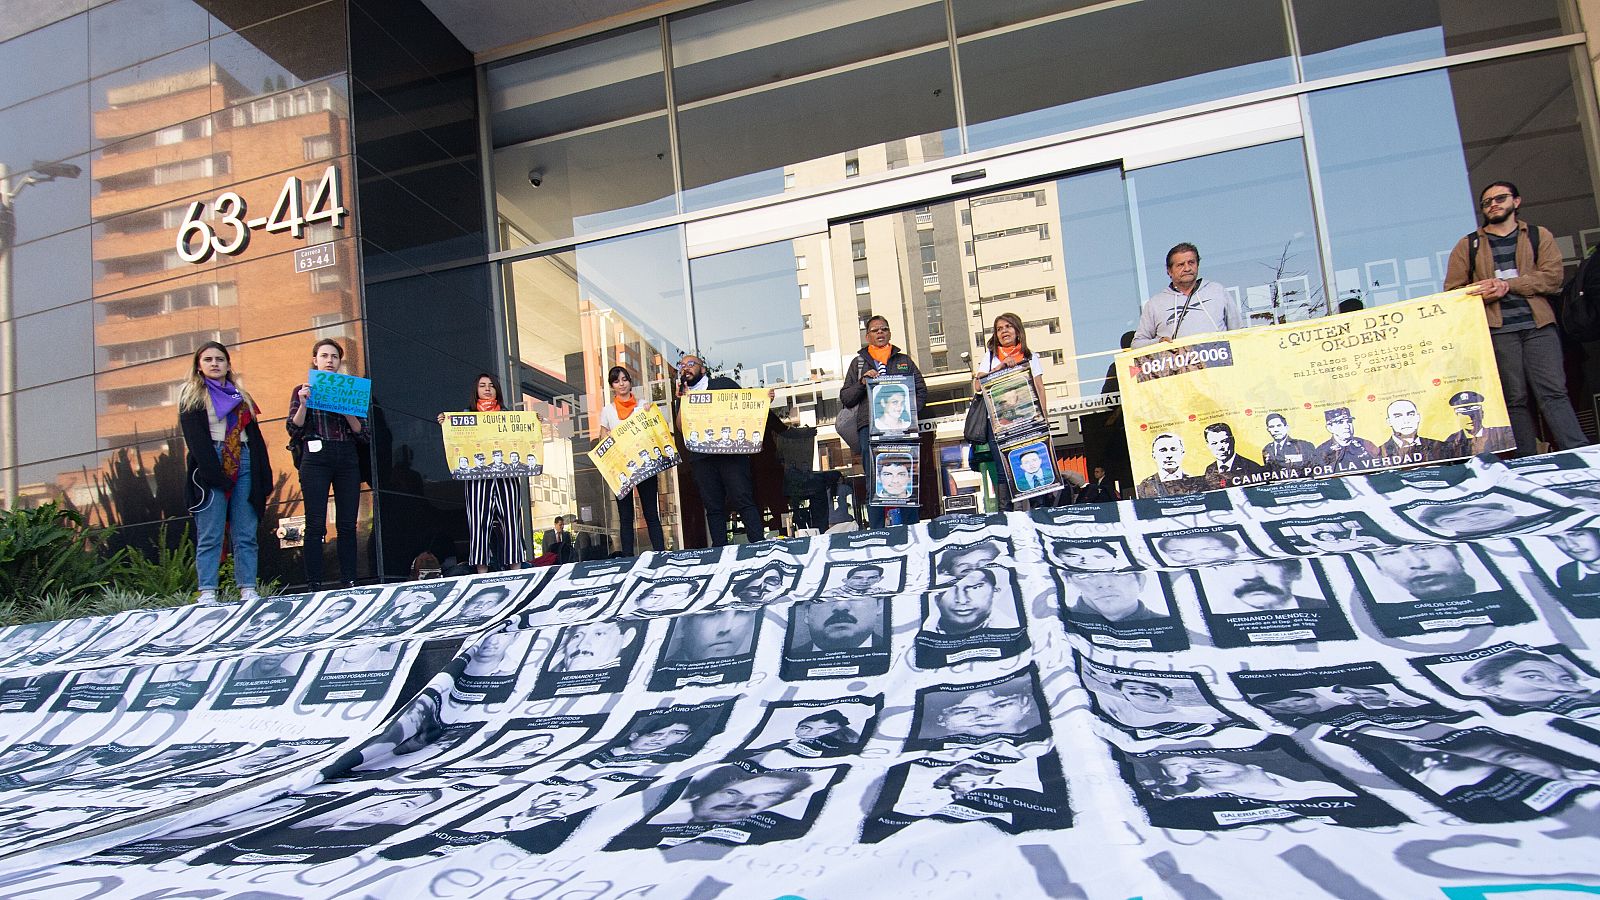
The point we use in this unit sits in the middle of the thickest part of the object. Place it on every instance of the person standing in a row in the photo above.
(1188, 306)
(624, 404)
(723, 478)
(879, 358)
(1007, 349)
(229, 475)
(330, 447)
(493, 502)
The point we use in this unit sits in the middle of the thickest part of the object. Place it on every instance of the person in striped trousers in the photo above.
(493, 503)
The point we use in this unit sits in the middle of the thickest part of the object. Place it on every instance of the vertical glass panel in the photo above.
(1040, 68)
(53, 203)
(56, 345)
(774, 95)
(1339, 36)
(127, 31)
(51, 272)
(577, 314)
(747, 313)
(59, 420)
(285, 51)
(44, 59)
(1249, 212)
(54, 126)
(1402, 159)
(1102, 299)
(580, 136)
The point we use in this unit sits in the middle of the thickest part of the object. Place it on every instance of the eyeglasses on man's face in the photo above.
(1496, 200)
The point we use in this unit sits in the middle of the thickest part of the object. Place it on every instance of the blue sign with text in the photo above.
(340, 393)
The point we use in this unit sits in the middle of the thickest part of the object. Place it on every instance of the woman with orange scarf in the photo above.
(229, 475)
(880, 357)
(493, 501)
(1008, 348)
(624, 404)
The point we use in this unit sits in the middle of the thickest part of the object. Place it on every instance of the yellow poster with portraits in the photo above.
(1395, 386)
(639, 448)
(480, 445)
(724, 422)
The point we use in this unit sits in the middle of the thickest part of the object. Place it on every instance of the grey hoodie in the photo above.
(1210, 309)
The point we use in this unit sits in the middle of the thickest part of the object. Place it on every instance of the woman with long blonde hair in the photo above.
(229, 475)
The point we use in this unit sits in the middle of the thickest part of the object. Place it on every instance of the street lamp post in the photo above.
(41, 172)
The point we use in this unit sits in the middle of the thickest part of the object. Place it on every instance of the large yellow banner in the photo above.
(1403, 384)
(641, 447)
(481, 445)
(724, 421)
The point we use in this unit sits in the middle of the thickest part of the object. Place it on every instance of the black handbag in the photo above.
(976, 430)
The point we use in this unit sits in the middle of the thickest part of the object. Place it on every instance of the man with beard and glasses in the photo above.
(1266, 586)
(843, 623)
(1426, 571)
(1517, 270)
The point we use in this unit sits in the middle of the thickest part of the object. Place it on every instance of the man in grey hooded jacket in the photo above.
(1188, 306)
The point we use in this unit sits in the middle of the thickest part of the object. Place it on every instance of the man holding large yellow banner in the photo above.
(1410, 383)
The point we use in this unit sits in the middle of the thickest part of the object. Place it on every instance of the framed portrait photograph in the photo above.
(1030, 467)
(1013, 407)
(894, 475)
(892, 400)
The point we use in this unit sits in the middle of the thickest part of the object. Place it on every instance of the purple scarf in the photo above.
(224, 397)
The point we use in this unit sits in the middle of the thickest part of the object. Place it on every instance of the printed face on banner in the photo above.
(193, 626)
(96, 690)
(1516, 678)
(792, 731)
(20, 638)
(665, 596)
(952, 562)
(863, 579)
(738, 803)
(407, 608)
(1206, 545)
(772, 583)
(1337, 695)
(1479, 774)
(1007, 709)
(323, 618)
(484, 599)
(137, 626)
(894, 475)
(167, 846)
(1210, 789)
(1110, 554)
(1490, 514)
(1147, 704)
(417, 733)
(1318, 535)
(1569, 564)
(517, 745)
(659, 736)
(1422, 588)
(1016, 795)
(1124, 610)
(893, 405)
(357, 672)
(1270, 601)
(176, 686)
(265, 679)
(838, 625)
(337, 830)
(266, 617)
(577, 605)
(979, 616)
(708, 648)
(591, 658)
(273, 756)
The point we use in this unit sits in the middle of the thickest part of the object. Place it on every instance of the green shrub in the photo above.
(51, 550)
(167, 570)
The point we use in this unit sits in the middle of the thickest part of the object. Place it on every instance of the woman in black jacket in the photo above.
(229, 475)
(879, 357)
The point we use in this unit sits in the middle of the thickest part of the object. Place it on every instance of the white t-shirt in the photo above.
(1035, 365)
(609, 420)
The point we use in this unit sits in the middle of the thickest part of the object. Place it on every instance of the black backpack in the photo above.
(1580, 301)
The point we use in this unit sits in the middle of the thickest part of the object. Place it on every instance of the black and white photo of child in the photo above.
(739, 803)
(1125, 610)
(1276, 601)
(1013, 794)
(1516, 678)
(708, 648)
(1425, 588)
(1211, 789)
(1147, 704)
(591, 658)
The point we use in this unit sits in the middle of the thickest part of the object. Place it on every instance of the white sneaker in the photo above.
(207, 598)
(247, 594)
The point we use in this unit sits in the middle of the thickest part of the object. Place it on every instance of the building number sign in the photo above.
(197, 239)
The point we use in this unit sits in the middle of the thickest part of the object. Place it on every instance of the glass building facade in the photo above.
(747, 179)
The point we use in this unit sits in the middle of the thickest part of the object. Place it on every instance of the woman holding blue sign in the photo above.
(229, 475)
(330, 447)
(624, 404)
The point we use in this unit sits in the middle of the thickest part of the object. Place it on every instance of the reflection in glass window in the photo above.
(1339, 36)
(580, 136)
(1411, 136)
(822, 91)
(747, 309)
(1109, 61)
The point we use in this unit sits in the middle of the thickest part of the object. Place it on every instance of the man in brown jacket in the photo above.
(1516, 270)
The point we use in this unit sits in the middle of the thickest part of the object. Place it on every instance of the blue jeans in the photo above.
(876, 515)
(216, 511)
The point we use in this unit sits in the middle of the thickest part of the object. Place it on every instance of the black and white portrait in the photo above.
(1147, 704)
(1270, 601)
(771, 583)
(716, 647)
(1345, 694)
(1206, 545)
(1425, 588)
(1009, 709)
(1124, 610)
(659, 736)
(1492, 514)
(874, 578)
(1569, 565)
(792, 731)
(1516, 678)
(1108, 554)
(977, 616)
(739, 803)
(837, 637)
(262, 679)
(1317, 535)
(665, 596)
(354, 673)
(1015, 794)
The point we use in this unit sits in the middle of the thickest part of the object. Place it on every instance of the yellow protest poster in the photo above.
(727, 422)
(1395, 386)
(493, 445)
(639, 448)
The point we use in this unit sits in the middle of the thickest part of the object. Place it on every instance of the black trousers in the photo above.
(336, 465)
(647, 489)
(725, 484)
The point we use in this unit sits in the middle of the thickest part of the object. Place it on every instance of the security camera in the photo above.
(536, 177)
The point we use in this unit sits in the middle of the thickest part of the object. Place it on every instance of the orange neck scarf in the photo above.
(488, 405)
(624, 408)
(881, 355)
(1009, 356)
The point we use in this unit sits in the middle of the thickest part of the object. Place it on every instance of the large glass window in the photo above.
(1339, 36)
(580, 136)
(1048, 66)
(1401, 161)
(773, 95)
